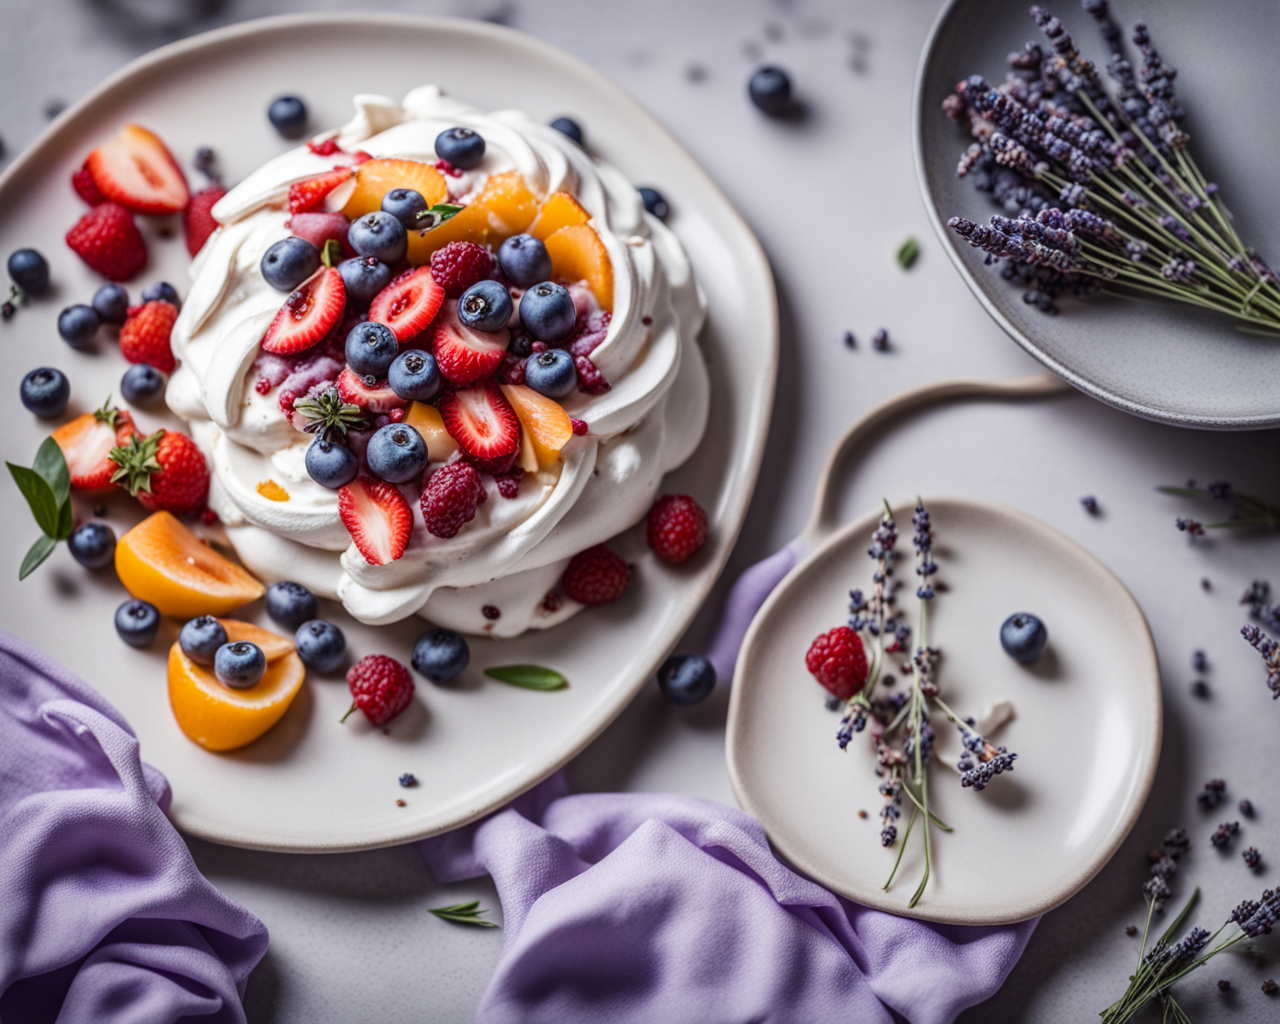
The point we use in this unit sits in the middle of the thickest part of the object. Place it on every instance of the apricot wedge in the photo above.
(428, 422)
(546, 427)
(577, 254)
(560, 210)
(220, 718)
(160, 560)
(375, 178)
(504, 207)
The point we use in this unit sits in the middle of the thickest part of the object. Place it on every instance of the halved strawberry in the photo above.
(377, 517)
(82, 182)
(375, 397)
(197, 219)
(309, 194)
(465, 355)
(136, 170)
(318, 228)
(307, 314)
(485, 426)
(87, 442)
(408, 304)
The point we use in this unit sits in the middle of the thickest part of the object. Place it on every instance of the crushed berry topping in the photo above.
(509, 483)
(490, 612)
(326, 147)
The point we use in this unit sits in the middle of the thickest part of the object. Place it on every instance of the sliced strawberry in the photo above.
(136, 170)
(87, 442)
(308, 314)
(485, 426)
(408, 304)
(197, 219)
(318, 228)
(371, 395)
(307, 195)
(377, 517)
(466, 355)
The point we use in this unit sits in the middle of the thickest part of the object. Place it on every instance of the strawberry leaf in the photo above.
(39, 495)
(40, 550)
(51, 464)
(530, 677)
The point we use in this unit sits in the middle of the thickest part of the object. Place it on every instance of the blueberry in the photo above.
(289, 262)
(289, 116)
(653, 202)
(200, 639)
(45, 392)
(93, 545)
(379, 235)
(331, 464)
(525, 260)
(568, 126)
(547, 312)
(363, 277)
(29, 271)
(141, 384)
(414, 376)
(320, 644)
(111, 302)
(686, 678)
(551, 373)
(78, 324)
(239, 665)
(405, 204)
(770, 90)
(137, 622)
(162, 291)
(440, 655)
(396, 453)
(291, 604)
(371, 349)
(521, 345)
(485, 306)
(462, 147)
(1023, 637)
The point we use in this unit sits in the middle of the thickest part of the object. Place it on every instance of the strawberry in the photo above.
(380, 687)
(465, 355)
(82, 182)
(451, 497)
(144, 338)
(677, 527)
(308, 314)
(596, 576)
(197, 219)
(318, 228)
(373, 396)
(165, 472)
(377, 517)
(136, 170)
(459, 265)
(408, 304)
(485, 426)
(838, 661)
(108, 240)
(87, 442)
(309, 194)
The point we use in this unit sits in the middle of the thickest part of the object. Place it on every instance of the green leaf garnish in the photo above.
(436, 215)
(907, 253)
(530, 677)
(47, 489)
(331, 253)
(464, 913)
(51, 464)
(40, 550)
(39, 495)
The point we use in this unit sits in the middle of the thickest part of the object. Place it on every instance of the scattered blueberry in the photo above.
(141, 384)
(320, 644)
(880, 340)
(289, 262)
(547, 311)
(654, 203)
(289, 116)
(29, 271)
(407, 779)
(440, 655)
(363, 277)
(45, 392)
(485, 306)
(1023, 637)
(111, 303)
(93, 545)
(551, 373)
(331, 464)
(568, 126)
(1200, 689)
(1090, 504)
(162, 291)
(850, 340)
(239, 665)
(833, 703)
(396, 453)
(206, 162)
(379, 235)
(291, 604)
(137, 622)
(78, 324)
(525, 260)
(521, 345)
(462, 147)
(686, 678)
(770, 90)
(414, 376)
(404, 204)
(200, 639)
(371, 348)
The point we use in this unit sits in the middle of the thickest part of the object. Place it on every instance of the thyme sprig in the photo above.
(465, 913)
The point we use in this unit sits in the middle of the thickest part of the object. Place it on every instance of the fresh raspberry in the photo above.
(596, 576)
(580, 427)
(197, 219)
(108, 240)
(380, 687)
(838, 661)
(451, 497)
(325, 147)
(144, 338)
(165, 471)
(509, 482)
(86, 188)
(511, 369)
(459, 265)
(677, 527)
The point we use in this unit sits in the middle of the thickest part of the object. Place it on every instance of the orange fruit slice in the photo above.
(546, 426)
(375, 178)
(504, 207)
(560, 210)
(428, 422)
(577, 254)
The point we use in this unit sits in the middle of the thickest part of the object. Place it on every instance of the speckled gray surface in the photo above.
(831, 199)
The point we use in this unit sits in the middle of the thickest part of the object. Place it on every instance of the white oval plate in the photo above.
(311, 784)
(1087, 726)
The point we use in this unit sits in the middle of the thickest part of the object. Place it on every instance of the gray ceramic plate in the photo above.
(1162, 361)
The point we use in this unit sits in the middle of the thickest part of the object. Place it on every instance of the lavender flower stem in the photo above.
(902, 848)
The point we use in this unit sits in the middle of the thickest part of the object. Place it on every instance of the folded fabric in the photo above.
(634, 907)
(104, 915)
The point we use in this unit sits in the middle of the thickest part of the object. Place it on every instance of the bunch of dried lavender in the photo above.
(901, 731)
(1245, 510)
(1100, 186)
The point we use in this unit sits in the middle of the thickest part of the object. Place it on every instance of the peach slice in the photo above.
(428, 422)
(504, 207)
(560, 210)
(220, 718)
(577, 254)
(546, 425)
(160, 560)
(375, 178)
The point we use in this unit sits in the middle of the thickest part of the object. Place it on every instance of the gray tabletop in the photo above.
(831, 198)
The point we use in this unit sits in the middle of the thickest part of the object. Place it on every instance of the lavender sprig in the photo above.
(1244, 509)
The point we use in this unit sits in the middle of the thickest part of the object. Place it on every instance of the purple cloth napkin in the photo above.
(105, 918)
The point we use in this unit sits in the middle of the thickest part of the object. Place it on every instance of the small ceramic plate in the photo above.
(1086, 722)
(1161, 360)
(311, 784)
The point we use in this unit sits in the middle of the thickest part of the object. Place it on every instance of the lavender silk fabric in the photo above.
(104, 917)
(634, 908)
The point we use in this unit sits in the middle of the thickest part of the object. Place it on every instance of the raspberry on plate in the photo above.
(144, 338)
(459, 265)
(108, 240)
(838, 661)
(451, 497)
(380, 687)
(596, 576)
(676, 528)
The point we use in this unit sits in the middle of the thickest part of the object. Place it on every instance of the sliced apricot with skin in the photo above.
(544, 422)
(160, 560)
(375, 178)
(428, 422)
(504, 207)
(560, 210)
(577, 254)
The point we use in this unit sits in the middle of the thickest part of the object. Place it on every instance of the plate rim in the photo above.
(1057, 893)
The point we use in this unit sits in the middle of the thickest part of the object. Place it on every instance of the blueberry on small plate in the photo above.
(137, 622)
(1023, 637)
(93, 545)
(440, 655)
(291, 604)
(686, 678)
(320, 645)
(45, 392)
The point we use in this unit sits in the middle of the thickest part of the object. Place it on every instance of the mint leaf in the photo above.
(39, 496)
(65, 524)
(464, 913)
(51, 464)
(530, 677)
(907, 253)
(40, 550)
